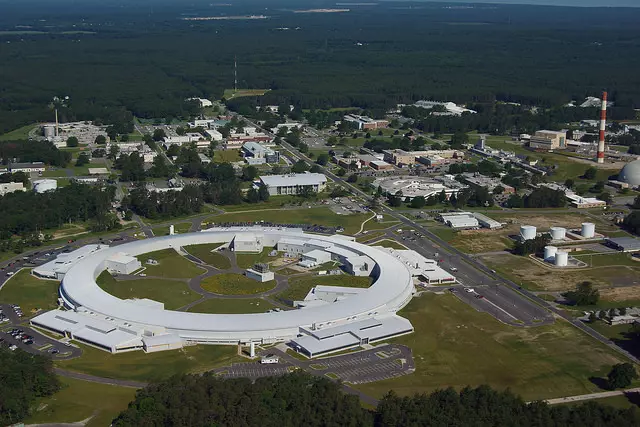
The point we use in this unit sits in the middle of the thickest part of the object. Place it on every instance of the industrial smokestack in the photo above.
(603, 124)
(57, 133)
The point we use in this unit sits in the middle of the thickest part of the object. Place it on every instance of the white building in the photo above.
(260, 273)
(247, 243)
(57, 268)
(202, 101)
(293, 183)
(460, 220)
(314, 258)
(421, 267)
(27, 167)
(450, 108)
(122, 263)
(213, 134)
(43, 185)
(255, 154)
(10, 187)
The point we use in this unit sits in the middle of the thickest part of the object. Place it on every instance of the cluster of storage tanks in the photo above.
(587, 231)
(555, 256)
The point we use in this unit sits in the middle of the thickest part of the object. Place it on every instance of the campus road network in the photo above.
(467, 266)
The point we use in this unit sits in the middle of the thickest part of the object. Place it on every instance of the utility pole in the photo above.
(235, 73)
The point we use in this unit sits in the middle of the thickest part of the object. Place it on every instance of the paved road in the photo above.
(101, 380)
(462, 260)
(591, 396)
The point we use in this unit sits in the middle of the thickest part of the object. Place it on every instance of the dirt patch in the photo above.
(621, 294)
(537, 276)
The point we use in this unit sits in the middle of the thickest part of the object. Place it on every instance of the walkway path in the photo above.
(591, 396)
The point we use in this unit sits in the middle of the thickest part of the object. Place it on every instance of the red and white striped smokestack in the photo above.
(603, 124)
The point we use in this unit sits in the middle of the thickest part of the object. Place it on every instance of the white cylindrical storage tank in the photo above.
(49, 131)
(588, 230)
(42, 185)
(562, 258)
(550, 253)
(527, 232)
(558, 233)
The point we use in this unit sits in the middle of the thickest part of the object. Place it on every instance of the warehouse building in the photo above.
(624, 244)
(27, 167)
(57, 268)
(44, 185)
(294, 183)
(122, 263)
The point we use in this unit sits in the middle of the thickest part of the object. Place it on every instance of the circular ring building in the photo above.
(95, 317)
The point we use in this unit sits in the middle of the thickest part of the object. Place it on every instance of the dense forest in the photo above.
(33, 151)
(23, 378)
(299, 399)
(146, 58)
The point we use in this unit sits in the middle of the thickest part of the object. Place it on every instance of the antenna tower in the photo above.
(235, 74)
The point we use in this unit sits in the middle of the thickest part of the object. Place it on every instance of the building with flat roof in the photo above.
(256, 153)
(294, 183)
(549, 140)
(380, 165)
(122, 263)
(401, 157)
(487, 182)
(27, 167)
(364, 122)
(57, 268)
(10, 187)
(580, 202)
(450, 109)
(415, 186)
(421, 267)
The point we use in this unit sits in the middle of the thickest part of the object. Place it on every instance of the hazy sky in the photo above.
(588, 3)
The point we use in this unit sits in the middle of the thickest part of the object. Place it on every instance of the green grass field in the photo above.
(230, 93)
(18, 134)
(314, 215)
(179, 228)
(388, 243)
(274, 202)
(605, 260)
(232, 306)
(29, 292)
(248, 260)
(170, 264)
(235, 284)
(174, 294)
(226, 156)
(140, 366)
(299, 287)
(79, 400)
(207, 254)
(455, 345)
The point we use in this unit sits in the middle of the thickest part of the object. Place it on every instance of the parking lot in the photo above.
(254, 370)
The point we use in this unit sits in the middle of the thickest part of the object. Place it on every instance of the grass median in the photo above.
(207, 253)
(299, 287)
(170, 264)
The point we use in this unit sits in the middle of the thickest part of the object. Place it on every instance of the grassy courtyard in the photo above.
(235, 284)
(29, 292)
(174, 294)
(246, 260)
(232, 306)
(207, 254)
(140, 366)
(79, 400)
(226, 156)
(299, 287)
(170, 264)
(454, 345)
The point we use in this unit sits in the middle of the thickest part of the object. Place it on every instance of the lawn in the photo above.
(18, 134)
(309, 216)
(226, 156)
(170, 264)
(231, 93)
(299, 287)
(388, 243)
(79, 400)
(179, 228)
(235, 284)
(455, 345)
(207, 253)
(29, 292)
(232, 306)
(605, 260)
(140, 366)
(57, 173)
(173, 293)
(248, 260)
(534, 276)
(274, 202)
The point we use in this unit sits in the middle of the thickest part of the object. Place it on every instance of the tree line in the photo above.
(299, 399)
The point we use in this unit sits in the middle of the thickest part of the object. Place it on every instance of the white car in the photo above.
(469, 290)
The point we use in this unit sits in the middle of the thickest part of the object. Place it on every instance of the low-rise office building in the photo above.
(256, 154)
(364, 122)
(401, 157)
(294, 183)
(549, 140)
(489, 183)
